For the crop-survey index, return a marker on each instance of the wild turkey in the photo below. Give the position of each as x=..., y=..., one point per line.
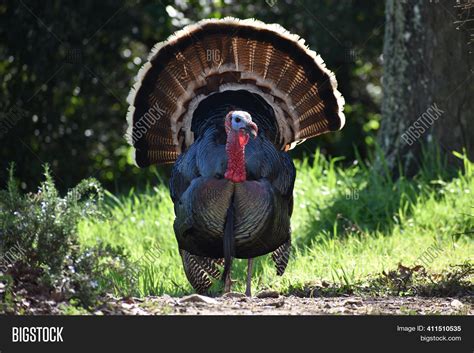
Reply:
x=225, y=100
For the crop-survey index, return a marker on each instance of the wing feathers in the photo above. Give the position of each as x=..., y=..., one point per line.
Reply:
x=281, y=256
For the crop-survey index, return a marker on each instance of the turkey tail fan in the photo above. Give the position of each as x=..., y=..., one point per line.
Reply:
x=217, y=56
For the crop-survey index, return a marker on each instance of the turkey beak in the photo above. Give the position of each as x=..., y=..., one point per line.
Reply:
x=252, y=129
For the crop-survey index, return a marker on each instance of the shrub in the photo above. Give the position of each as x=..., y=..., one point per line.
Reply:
x=39, y=246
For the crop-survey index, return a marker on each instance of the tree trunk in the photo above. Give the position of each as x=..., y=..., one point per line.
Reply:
x=428, y=82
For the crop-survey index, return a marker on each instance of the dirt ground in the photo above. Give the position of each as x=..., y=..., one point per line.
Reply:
x=273, y=304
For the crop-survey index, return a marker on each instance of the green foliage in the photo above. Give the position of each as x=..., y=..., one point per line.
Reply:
x=39, y=239
x=66, y=72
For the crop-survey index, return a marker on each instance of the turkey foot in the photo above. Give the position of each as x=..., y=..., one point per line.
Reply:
x=248, y=290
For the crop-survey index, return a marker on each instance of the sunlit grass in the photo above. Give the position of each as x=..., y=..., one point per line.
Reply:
x=349, y=224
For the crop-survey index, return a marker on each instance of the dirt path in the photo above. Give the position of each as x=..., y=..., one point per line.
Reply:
x=291, y=305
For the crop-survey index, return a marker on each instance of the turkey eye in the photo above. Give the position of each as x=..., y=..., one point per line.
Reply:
x=237, y=120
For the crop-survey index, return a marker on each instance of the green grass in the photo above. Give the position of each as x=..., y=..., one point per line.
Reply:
x=349, y=225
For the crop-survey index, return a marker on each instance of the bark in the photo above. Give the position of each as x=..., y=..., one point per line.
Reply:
x=428, y=82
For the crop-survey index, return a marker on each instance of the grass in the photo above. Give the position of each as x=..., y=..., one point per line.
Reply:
x=350, y=225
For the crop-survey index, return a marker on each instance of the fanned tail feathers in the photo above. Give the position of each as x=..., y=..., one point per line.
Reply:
x=214, y=56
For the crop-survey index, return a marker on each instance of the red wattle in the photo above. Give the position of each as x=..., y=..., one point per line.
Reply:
x=235, y=149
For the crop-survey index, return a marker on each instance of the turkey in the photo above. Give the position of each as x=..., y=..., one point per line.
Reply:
x=224, y=100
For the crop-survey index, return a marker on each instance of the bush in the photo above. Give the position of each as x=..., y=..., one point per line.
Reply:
x=39, y=248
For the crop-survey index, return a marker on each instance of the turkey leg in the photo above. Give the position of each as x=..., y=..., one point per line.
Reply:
x=227, y=282
x=248, y=290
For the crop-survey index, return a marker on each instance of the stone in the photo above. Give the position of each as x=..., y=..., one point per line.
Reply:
x=197, y=298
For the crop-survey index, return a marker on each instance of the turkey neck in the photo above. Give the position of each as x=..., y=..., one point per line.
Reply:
x=235, y=149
